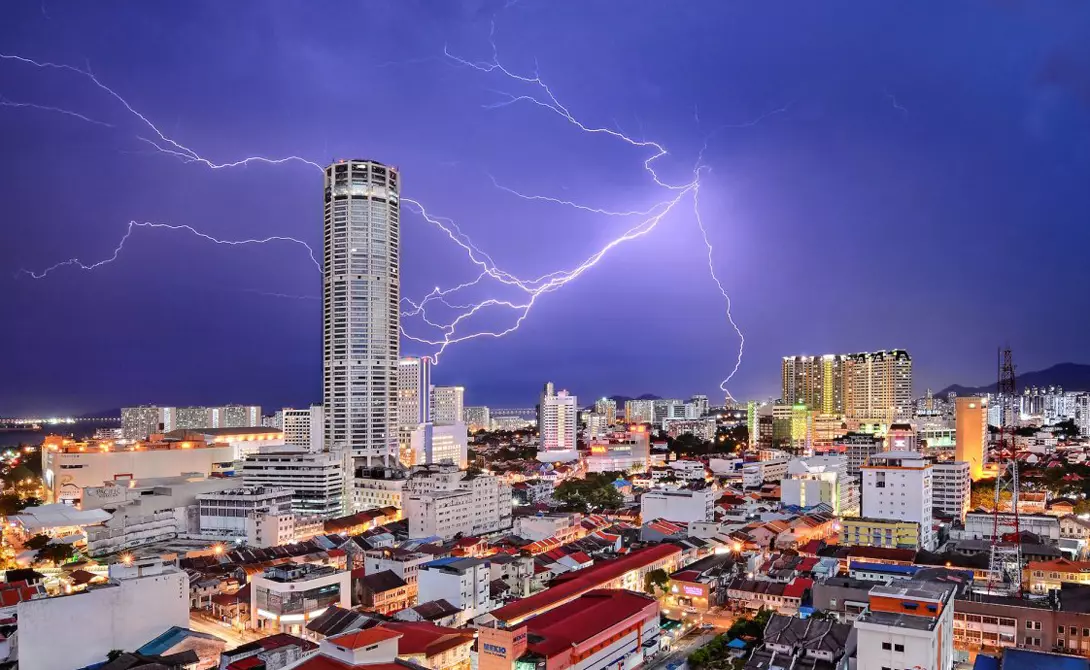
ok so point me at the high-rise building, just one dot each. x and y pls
(557, 424)
(897, 485)
(901, 437)
(951, 488)
(820, 479)
(303, 427)
(697, 407)
(447, 403)
(971, 433)
(751, 423)
(477, 418)
(139, 422)
(606, 407)
(360, 302)
(668, 408)
(432, 443)
(639, 411)
(859, 447)
(413, 391)
(868, 386)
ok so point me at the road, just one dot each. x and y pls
(234, 638)
(682, 648)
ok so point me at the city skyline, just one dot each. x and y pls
(250, 310)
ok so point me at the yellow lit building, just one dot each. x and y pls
(887, 533)
(1044, 576)
(971, 433)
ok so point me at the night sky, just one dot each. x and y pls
(927, 187)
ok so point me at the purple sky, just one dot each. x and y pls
(926, 188)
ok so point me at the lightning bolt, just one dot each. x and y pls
(133, 225)
(4, 102)
(450, 331)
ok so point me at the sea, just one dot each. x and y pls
(79, 430)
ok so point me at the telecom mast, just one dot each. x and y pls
(1005, 567)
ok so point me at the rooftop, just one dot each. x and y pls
(590, 615)
(897, 620)
(363, 638)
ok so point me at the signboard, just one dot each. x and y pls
(693, 591)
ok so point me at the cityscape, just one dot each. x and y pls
(368, 473)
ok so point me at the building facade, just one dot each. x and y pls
(303, 428)
(971, 433)
(951, 486)
(413, 391)
(447, 404)
(898, 485)
(443, 501)
(558, 425)
(360, 309)
(317, 480)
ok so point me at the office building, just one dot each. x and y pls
(693, 503)
(360, 302)
(971, 433)
(792, 428)
(413, 391)
(901, 437)
(317, 480)
(68, 466)
(639, 411)
(447, 404)
(443, 501)
(606, 407)
(462, 582)
(950, 483)
(820, 479)
(303, 428)
(908, 624)
(224, 514)
(756, 473)
(897, 485)
(477, 418)
(667, 408)
(139, 602)
(594, 426)
(434, 443)
(378, 487)
(284, 598)
(557, 424)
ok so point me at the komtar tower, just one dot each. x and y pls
(360, 296)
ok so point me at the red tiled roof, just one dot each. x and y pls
(581, 620)
(685, 575)
(797, 588)
(362, 638)
(424, 637)
(326, 663)
(581, 557)
(246, 663)
(584, 580)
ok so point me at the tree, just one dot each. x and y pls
(55, 553)
(11, 503)
(37, 542)
(656, 578)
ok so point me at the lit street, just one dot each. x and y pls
(233, 638)
(682, 648)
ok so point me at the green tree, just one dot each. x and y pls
(37, 542)
(656, 578)
(11, 503)
(55, 553)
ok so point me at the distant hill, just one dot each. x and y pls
(1071, 376)
(114, 413)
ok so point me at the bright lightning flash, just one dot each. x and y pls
(453, 330)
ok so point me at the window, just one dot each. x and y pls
(898, 647)
(886, 646)
(1029, 625)
(1060, 630)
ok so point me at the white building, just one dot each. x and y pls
(139, 603)
(447, 404)
(557, 423)
(374, 488)
(607, 407)
(477, 418)
(639, 411)
(317, 481)
(595, 426)
(919, 635)
(981, 526)
(286, 597)
(697, 407)
(462, 582)
(687, 504)
(950, 484)
(303, 428)
(224, 514)
(243, 441)
(434, 443)
(68, 468)
(898, 485)
(621, 452)
(820, 479)
(413, 391)
(360, 315)
(404, 564)
(688, 470)
(756, 473)
(444, 501)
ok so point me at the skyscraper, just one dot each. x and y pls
(607, 407)
(971, 433)
(413, 391)
(360, 295)
(447, 404)
(874, 387)
(557, 425)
